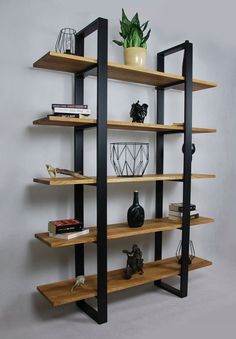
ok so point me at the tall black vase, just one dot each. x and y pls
(135, 214)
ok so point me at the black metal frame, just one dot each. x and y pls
(187, 73)
(101, 26)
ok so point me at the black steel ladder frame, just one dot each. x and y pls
(101, 26)
(187, 71)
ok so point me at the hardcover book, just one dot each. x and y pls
(69, 106)
(68, 236)
(180, 214)
(65, 229)
(72, 110)
(64, 222)
(178, 207)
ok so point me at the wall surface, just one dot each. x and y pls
(29, 29)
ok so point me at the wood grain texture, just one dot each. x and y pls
(60, 181)
(120, 125)
(121, 230)
(59, 293)
(77, 64)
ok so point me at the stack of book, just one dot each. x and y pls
(66, 229)
(70, 110)
(176, 211)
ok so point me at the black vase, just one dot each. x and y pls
(135, 214)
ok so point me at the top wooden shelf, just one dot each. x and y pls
(77, 64)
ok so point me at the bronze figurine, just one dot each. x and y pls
(134, 261)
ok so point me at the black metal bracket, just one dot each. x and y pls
(101, 26)
(187, 74)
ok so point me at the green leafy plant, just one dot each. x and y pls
(132, 32)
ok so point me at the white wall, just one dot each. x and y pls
(28, 30)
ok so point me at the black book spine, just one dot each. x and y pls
(192, 208)
(69, 228)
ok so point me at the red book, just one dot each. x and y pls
(64, 222)
(65, 226)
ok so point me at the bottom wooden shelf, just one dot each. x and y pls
(59, 293)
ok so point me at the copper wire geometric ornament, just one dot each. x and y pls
(129, 159)
(66, 41)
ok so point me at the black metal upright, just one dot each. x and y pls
(159, 160)
(79, 159)
(187, 73)
(101, 26)
(187, 83)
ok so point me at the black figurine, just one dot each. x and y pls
(138, 112)
(134, 261)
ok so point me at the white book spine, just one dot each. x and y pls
(68, 236)
(71, 110)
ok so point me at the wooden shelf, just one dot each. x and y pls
(88, 122)
(61, 181)
(77, 64)
(122, 230)
(59, 293)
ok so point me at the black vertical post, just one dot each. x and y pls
(102, 170)
(79, 159)
(159, 161)
(187, 73)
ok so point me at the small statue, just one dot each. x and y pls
(52, 171)
(134, 261)
(79, 281)
(138, 112)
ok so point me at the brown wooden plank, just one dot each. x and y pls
(76, 64)
(60, 181)
(123, 125)
(65, 62)
(121, 230)
(59, 293)
(63, 121)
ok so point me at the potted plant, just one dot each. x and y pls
(134, 40)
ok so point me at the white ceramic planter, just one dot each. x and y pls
(135, 56)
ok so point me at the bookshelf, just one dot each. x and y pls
(104, 282)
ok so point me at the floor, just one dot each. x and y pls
(142, 312)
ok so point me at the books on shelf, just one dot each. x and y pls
(178, 207)
(64, 226)
(68, 110)
(176, 211)
(70, 235)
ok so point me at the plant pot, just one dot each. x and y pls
(135, 56)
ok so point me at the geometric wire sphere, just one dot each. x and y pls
(129, 159)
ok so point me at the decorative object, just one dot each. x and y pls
(52, 171)
(135, 214)
(191, 252)
(134, 262)
(193, 149)
(66, 41)
(134, 41)
(129, 159)
(79, 281)
(138, 112)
